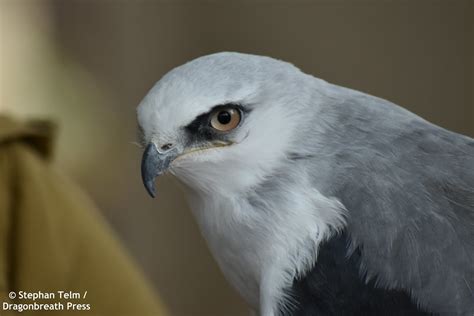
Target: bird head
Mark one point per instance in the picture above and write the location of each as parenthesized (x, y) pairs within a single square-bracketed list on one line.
[(220, 123)]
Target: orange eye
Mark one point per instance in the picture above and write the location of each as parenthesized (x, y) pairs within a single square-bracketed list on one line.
[(225, 120)]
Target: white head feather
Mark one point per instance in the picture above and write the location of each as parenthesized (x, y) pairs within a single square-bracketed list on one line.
[(259, 246)]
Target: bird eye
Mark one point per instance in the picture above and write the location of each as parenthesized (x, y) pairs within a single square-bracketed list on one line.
[(225, 120)]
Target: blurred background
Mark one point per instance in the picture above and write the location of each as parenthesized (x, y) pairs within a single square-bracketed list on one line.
[(87, 64)]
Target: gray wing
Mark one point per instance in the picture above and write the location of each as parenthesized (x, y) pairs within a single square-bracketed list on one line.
[(408, 186)]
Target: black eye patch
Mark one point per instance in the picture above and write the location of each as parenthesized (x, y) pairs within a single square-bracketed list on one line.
[(200, 128), (199, 123)]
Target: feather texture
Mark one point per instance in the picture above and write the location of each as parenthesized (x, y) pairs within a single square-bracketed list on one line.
[(310, 161), (408, 187)]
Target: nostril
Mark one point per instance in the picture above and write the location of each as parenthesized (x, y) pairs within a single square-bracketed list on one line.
[(166, 146)]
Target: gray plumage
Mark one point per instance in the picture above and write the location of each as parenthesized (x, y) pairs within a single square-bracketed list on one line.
[(308, 161), (409, 188)]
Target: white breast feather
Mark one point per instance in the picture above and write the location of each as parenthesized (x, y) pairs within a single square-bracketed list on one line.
[(262, 249)]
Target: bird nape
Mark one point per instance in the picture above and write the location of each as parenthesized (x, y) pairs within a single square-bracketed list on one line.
[(315, 199)]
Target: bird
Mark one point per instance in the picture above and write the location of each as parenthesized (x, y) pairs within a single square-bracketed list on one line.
[(313, 198)]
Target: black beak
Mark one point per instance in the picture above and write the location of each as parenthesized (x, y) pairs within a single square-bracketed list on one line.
[(154, 164)]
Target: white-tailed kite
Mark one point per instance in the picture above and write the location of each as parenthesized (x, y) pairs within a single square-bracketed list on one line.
[(315, 199)]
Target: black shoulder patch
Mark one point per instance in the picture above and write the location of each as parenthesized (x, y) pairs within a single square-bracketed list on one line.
[(334, 287)]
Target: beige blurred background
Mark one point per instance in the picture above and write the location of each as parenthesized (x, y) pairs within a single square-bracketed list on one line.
[(87, 64)]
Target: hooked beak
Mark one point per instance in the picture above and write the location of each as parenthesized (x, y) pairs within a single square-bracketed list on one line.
[(154, 164)]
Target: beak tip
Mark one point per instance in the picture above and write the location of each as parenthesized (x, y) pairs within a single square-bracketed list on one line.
[(150, 188), (152, 194)]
